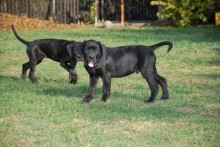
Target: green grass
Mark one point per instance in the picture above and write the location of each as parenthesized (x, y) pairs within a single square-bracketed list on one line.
[(50, 113)]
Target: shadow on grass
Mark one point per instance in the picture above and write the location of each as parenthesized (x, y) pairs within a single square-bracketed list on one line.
[(211, 76), (52, 87), (159, 110), (121, 105), (56, 87), (71, 91), (216, 60), (80, 91), (212, 87), (149, 111), (14, 78)]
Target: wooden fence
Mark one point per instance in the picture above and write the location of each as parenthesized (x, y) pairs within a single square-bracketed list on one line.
[(67, 11), (135, 10)]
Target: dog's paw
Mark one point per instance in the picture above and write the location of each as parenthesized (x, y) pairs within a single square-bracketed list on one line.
[(32, 78), (73, 81), (34, 81), (148, 101), (87, 99), (104, 100), (23, 76), (165, 98), (105, 97)]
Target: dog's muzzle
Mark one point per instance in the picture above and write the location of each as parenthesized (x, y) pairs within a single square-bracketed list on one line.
[(91, 64)]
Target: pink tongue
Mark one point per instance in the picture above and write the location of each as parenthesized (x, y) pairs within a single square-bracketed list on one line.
[(91, 64)]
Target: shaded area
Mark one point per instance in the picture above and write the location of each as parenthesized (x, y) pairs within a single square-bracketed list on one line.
[(216, 60), (131, 106)]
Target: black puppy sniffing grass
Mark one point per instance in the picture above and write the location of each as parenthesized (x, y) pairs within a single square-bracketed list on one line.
[(54, 49), (106, 62)]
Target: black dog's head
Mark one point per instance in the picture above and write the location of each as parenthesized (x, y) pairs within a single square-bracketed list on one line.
[(74, 51), (92, 52)]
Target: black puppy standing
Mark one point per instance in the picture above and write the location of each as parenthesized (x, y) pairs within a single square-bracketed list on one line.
[(55, 49), (104, 62)]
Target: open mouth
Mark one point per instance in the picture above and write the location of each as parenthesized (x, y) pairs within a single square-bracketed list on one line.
[(91, 64)]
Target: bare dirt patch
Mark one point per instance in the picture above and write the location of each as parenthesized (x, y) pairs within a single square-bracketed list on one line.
[(24, 23)]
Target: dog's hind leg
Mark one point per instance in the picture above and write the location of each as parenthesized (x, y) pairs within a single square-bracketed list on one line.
[(33, 64), (35, 57), (25, 67), (149, 76), (163, 83), (106, 87)]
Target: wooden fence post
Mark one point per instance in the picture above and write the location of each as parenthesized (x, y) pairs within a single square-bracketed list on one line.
[(122, 12), (96, 11)]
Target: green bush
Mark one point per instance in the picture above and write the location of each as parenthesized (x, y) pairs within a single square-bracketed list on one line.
[(184, 12)]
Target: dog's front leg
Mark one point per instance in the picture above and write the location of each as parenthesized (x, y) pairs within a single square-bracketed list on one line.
[(92, 85), (70, 68), (72, 77), (72, 73), (106, 87)]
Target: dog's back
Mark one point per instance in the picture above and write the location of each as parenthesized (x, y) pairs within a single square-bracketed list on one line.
[(52, 48), (125, 60)]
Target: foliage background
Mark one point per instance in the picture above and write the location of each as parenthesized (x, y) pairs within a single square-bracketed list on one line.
[(186, 12)]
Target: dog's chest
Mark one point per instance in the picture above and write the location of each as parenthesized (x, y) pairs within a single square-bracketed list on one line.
[(95, 71)]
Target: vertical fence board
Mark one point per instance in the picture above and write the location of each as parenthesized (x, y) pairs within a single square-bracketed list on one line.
[(51, 10), (17, 7), (60, 12), (74, 9), (34, 8), (71, 8), (26, 7), (7, 5), (13, 7), (64, 9), (1, 3), (2, 6), (21, 7), (15, 4), (77, 7)]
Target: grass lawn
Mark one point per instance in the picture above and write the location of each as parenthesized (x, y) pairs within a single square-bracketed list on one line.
[(50, 113)]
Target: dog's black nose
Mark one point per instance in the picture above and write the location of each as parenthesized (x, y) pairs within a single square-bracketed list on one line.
[(91, 56)]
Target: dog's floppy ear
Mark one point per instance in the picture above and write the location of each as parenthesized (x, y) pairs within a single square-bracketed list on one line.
[(75, 51), (78, 51), (70, 49), (103, 49)]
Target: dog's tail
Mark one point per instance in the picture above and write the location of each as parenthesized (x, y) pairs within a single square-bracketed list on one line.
[(18, 37), (155, 46)]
